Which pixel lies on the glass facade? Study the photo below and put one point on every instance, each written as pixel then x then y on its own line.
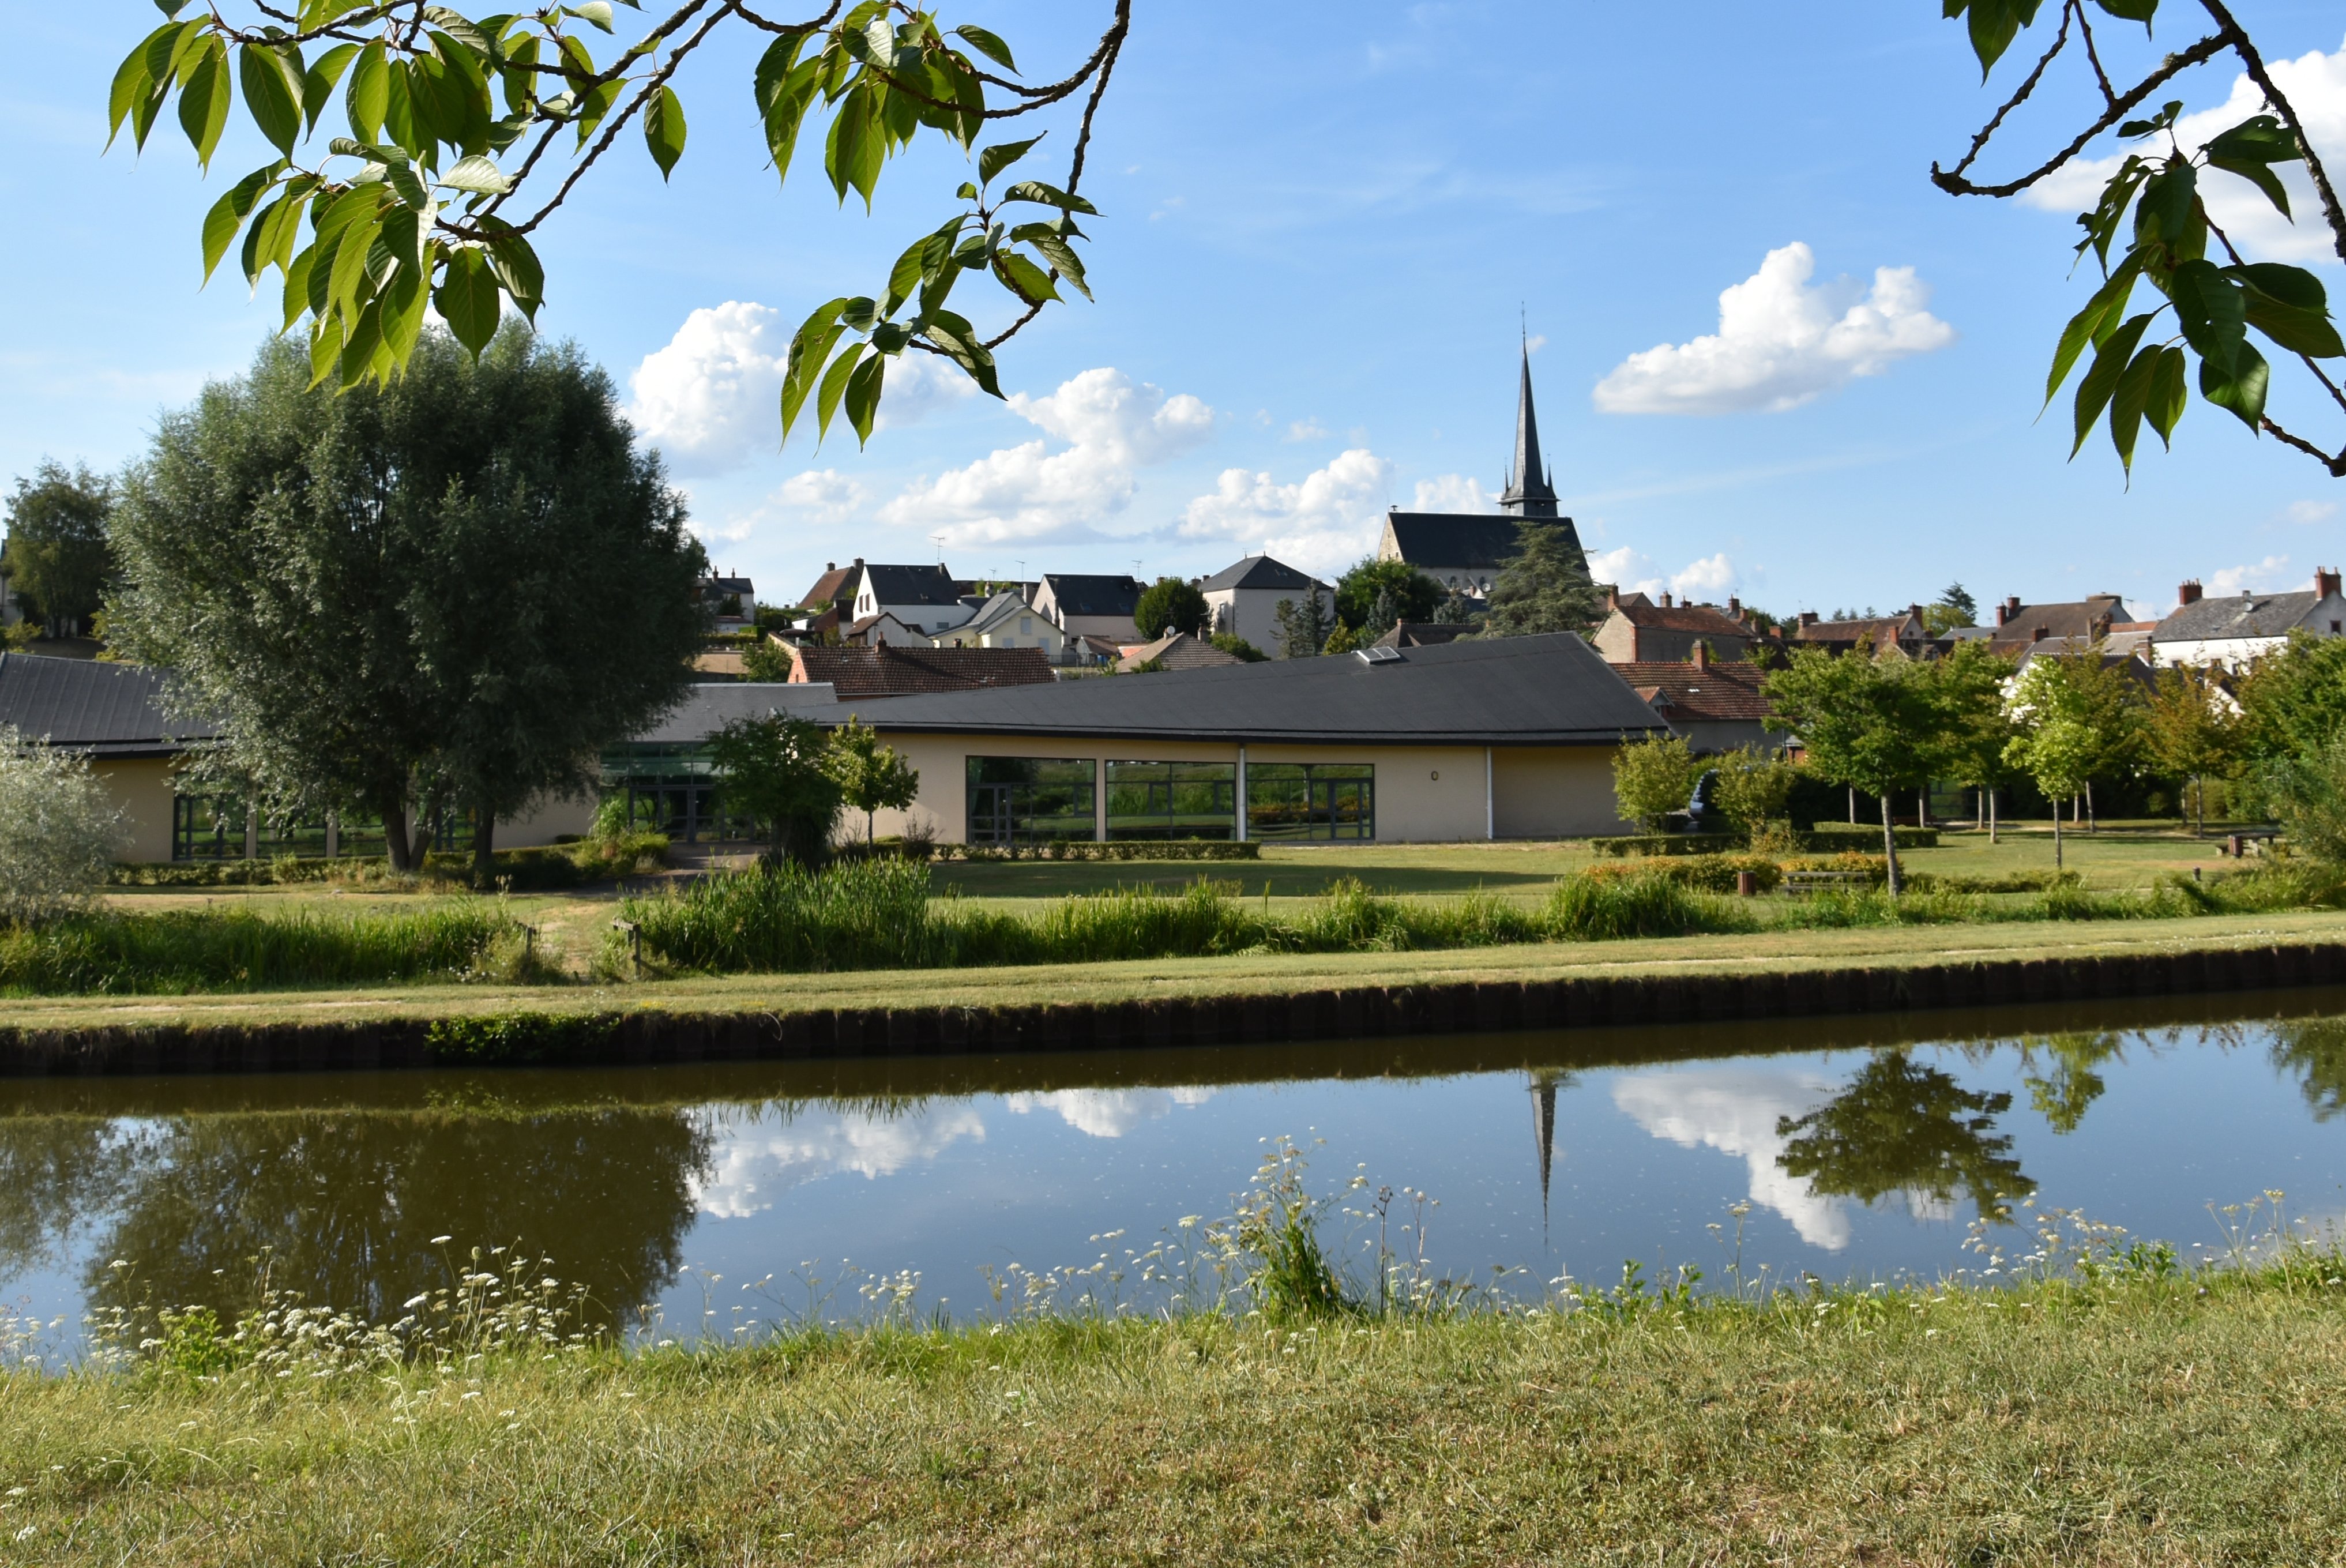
pixel 1291 800
pixel 1031 799
pixel 212 828
pixel 673 790
pixel 1172 800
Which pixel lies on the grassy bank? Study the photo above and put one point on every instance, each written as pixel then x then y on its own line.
pixel 176 952
pixel 2137 1417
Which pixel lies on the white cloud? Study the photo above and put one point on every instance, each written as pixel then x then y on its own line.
pixel 1452 493
pixel 832 497
pixel 1734 1110
pixel 1111 424
pixel 1322 523
pixel 1536 342
pixel 751 1168
pixel 2310 511
pixel 1306 430
pixel 2315 84
pixel 1707 580
pixel 2265 576
pixel 710 400
pixel 1107 1112
pixel 1781 341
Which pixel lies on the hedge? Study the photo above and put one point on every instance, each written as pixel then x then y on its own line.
pixel 1836 835
pixel 538 868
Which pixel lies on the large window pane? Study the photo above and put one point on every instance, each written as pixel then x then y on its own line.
pixel 1029 799
pixel 674 788
pixel 1172 800
pixel 1312 800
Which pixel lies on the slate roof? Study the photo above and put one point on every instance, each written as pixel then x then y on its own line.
pixel 1548 691
pixel 2242 616
pixel 92 707
pixel 913 586
pixel 1259 572
pixel 1702 619
pixel 1078 595
pixel 2017 625
pixel 893 671
pixel 1454 538
pixel 1178 650
pixel 1717 691
pixel 707 706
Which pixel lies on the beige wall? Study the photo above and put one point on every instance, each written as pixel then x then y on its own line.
pixel 141 790
pixel 1424 794
pixel 548 821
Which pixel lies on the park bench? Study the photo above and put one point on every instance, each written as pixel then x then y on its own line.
pixel 1799 883
pixel 2236 844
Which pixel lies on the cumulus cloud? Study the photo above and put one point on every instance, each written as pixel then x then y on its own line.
pixel 1322 523
pixel 1735 1110
pixel 1306 430
pixel 710 400
pixel 1107 1112
pixel 830 495
pixel 1783 341
pixel 1109 425
pixel 2310 511
pixel 1452 493
pixel 1708 580
pixel 2315 84
pixel 751 1168
pixel 2266 575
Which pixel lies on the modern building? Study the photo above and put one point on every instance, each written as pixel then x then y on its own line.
pixel 1465 550
pixel 114 714
pixel 2235 630
pixel 1082 605
pixel 1244 599
pixel 1508 738
pixel 926 599
pixel 895 670
pixel 1637 630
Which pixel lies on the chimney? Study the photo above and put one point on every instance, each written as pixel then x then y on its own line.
pixel 2325 581
pixel 2189 594
pixel 830 566
pixel 1734 606
pixel 1668 602
pixel 1612 599
pixel 1808 617
pixel 2006 610
pixel 1701 655
pixel 2038 634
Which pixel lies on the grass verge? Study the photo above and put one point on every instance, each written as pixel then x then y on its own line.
pixel 176 952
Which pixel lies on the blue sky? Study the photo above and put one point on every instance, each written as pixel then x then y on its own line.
pixel 1319 226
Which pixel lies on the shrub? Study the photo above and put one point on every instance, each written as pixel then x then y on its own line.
pixel 1833 835
pixel 1665 844
pixel 1752 786
pixel 1606 909
pixel 106 952
pixel 1084 850
pixel 58 832
pixel 1652 778
pixel 2308 795
pixel 1709 873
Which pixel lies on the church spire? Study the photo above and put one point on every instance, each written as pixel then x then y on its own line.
pixel 1529 492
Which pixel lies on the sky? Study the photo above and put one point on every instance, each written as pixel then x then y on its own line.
pixel 1771 359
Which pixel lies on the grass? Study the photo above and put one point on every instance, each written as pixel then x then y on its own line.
pixel 181 951
pixel 2127 1413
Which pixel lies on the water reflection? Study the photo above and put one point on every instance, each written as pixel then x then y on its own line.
pixel 1842 1134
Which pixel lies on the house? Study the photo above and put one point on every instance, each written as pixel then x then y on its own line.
pixel 1174 650
pixel 1099 606
pixel 1635 630
pixel 897 670
pixel 1903 631
pixel 114 714
pixel 2136 668
pixel 2233 630
pixel 1464 551
pixel 1009 620
pixel 732 601
pixel 926 599
pixel 1512 738
pixel 1713 703
pixel 2018 625
pixel 1244 599
pixel 834 590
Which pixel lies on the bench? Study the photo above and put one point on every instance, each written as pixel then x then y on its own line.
pixel 2236 844
pixel 1802 882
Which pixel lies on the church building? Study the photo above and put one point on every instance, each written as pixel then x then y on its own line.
pixel 1465 550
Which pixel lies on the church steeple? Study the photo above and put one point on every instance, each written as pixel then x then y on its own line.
pixel 1530 491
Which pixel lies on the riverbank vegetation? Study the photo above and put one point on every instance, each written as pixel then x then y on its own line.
pixel 115 952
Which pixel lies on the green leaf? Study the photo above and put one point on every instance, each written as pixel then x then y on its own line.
pixel 2164 408
pixel 271 96
pixel 477 176
pixel 2212 310
pixel 664 129
pixel 956 338
pixel 857 145
pixel 402 310
pixel 775 66
pixel 1023 277
pixel 988 44
pixel 516 267
pixel 2168 212
pixel 347 282
pixel 134 80
pixel 879 42
pixel 2102 379
pixel 786 108
pixel 358 348
pixel 2300 331
pixel 318 82
pixel 459 27
pixel 204 100
pixel 2290 285
pixel 1062 255
pixel 520 75
pixel 297 286
pixel 369 95
pixel 834 386
pixel 2131 10
pixel 325 351
pixel 993 161
pixel 229 213
pixel 1048 195
pixel 2260 139
pixel 2128 401
pixel 863 395
pixel 597 12
pixel 2242 392
pixel 2260 175
pixel 467 300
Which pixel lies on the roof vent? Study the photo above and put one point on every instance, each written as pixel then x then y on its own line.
pixel 1379 655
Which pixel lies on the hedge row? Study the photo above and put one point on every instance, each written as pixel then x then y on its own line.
pixel 1824 837
pixel 539 868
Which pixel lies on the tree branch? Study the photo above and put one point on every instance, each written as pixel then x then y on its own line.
pixel 2336 465
pixel 2199 53
pixel 2247 50
pixel 1979 142
pixel 2093 56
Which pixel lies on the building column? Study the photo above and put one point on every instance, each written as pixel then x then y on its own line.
pixel 333 835
pixel 1099 800
pixel 1489 799
pixel 1241 800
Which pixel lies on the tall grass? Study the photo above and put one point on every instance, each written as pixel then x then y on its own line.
pixel 237 950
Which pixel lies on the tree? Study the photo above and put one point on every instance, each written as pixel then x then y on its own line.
pixel 1866 723
pixel 1752 788
pixel 1239 649
pixel 2293 700
pixel 57 559
pixel 778 770
pixel 2308 795
pixel 870 776
pixel 1974 729
pixel 1171 605
pixel 2055 742
pixel 1653 777
pixel 2137 375
pixel 1303 627
pixel 1545 586
pixel 1953 607
pixel 2191 729
pixel 767 661
pixel 454 591
pixel 58 831
pixel 2069 1088
pixel 2091 693
pixel 1374 594
pixel 1898 1128
pixel 1455 609
pixel 426 181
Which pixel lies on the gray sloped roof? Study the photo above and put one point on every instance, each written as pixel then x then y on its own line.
pixel 913 586
pixel 1078 594
pixel 90 706
pixel 1463 538
pixel 709 705
pixel 2240 615
pixel 1509 691
pixel 1258 572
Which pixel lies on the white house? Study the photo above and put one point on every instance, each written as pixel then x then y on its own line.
pixel 2234 630
pixel 1244 599
pixel 925 598
pixel 1099 606
pixel 1007 620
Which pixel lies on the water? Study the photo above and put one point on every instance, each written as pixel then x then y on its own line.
pixel 1864 1148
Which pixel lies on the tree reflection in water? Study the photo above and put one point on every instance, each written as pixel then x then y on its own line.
pixel 346 1202
pixel 1899 1127
pixel 2314 1049
pixel 2069 1082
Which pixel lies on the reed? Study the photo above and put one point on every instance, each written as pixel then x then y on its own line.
pixel 189 950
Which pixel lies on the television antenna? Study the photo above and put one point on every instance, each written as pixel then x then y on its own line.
pixel 939 540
